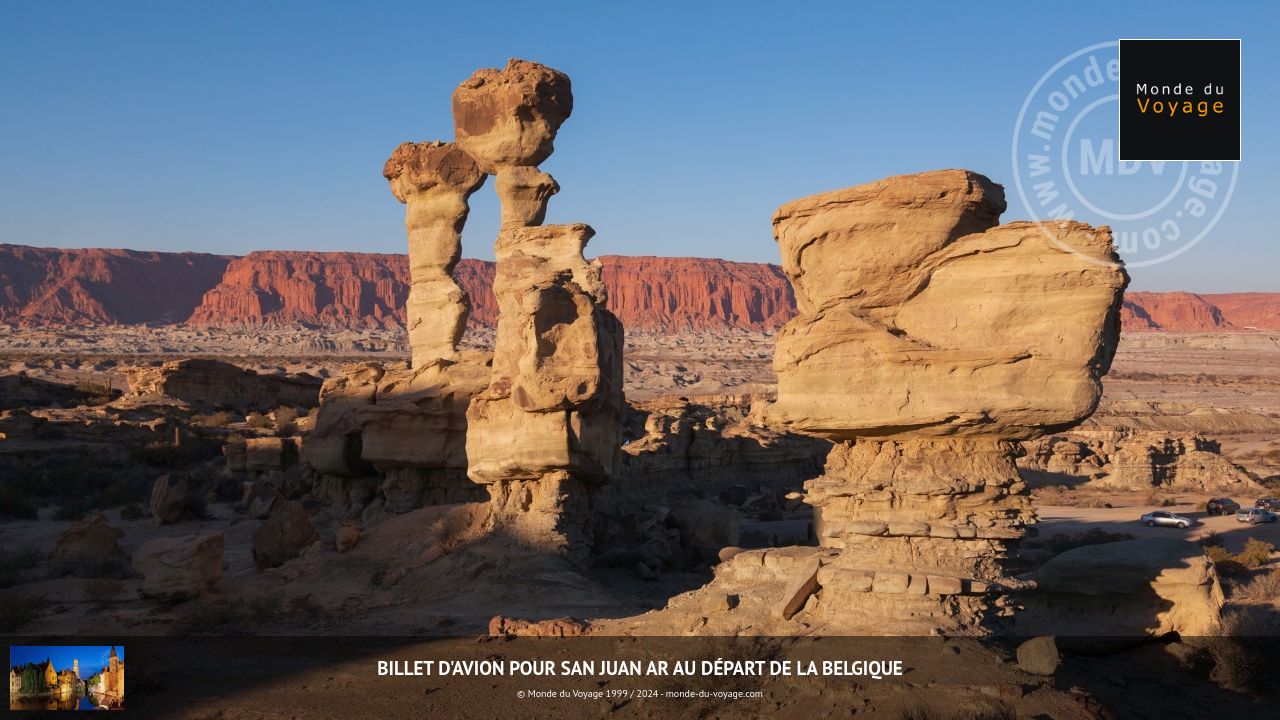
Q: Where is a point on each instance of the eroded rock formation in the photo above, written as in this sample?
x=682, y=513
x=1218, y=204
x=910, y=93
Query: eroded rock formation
x=1134, y=460
x=929, y=339
x=550, y=420
x=214, y=383
x=434, y=180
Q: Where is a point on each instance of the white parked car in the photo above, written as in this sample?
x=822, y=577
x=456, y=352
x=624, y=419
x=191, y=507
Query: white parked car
x=1255, y=515
x=1168, y=519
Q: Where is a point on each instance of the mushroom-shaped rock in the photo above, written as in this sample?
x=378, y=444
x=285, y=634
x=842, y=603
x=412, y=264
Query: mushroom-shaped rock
x=434, y=180
x=509, y=117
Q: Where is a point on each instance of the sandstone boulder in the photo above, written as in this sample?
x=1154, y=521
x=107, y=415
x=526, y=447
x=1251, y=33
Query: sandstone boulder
x=509, y=116
x=1125, y=589
x=86, y=548
x=1039, y=655
x=169, y=498
x=346, y=537
x=179, y=568
x=262, y=500
x=283, y=536
x=945, y=324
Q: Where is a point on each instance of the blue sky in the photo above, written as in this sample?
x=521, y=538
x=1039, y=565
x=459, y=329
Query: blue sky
x=234, y=126
x=92, y=657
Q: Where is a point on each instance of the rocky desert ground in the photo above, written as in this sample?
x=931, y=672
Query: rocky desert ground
x=1219, y=386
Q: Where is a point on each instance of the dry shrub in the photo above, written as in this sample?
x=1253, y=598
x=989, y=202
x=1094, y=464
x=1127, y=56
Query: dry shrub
x=1256, y=553
x=1263, y=588
x=461, y=526
x=1245, y=651
x=1224, y=562
x=257, y=420
x=218, y=419
x=989, y=711
x=18, y=610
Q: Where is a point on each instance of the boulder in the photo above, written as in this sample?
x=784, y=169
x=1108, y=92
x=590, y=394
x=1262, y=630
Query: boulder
x=509, y=116
x=283, y=536
x=346, y=537
x=86, y=548
x=946, y=324
x=1039, y=656
x=179, y=568
x=262, y=500
x=1125, y=589
x=169, y=499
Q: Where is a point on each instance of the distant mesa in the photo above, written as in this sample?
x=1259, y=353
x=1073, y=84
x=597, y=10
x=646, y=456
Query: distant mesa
x=56, y=287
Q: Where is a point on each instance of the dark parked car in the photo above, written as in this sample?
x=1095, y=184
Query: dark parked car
x=1222, y=506
x=1268, y=503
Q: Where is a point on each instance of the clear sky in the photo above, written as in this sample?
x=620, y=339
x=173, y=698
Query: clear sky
x=234, y=126
x=92, y=657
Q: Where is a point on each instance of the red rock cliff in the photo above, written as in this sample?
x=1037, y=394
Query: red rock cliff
x=1172, y=311
x=366, y=290
x=48, y=286
x=52, y=286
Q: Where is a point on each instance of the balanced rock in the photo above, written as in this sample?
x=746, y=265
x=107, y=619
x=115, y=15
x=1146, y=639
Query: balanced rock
x=950, y=337
x=549, y=423
x=179, y=568
x=86, y=548
x=434, y=180
x=283, y=536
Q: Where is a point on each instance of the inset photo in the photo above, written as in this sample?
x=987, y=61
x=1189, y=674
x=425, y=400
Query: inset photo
x=66, y=677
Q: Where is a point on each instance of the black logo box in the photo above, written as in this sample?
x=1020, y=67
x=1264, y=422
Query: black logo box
x=1208, y=133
